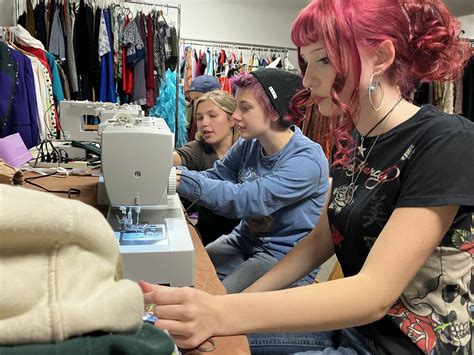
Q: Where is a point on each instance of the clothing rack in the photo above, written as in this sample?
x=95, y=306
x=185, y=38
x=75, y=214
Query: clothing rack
x=178, y=27
x=16, y=9
x=236, y=45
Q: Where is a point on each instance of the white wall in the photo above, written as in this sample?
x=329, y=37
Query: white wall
x=257, y=22
x=467, y=24
x=6, y=12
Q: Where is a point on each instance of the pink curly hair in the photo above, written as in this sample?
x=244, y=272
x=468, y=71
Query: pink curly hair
x=424, y=33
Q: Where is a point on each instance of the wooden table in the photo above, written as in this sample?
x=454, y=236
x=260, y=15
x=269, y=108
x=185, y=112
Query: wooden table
x=205, y=274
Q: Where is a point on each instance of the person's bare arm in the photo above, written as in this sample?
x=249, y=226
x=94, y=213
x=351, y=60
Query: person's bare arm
x=177, y=159
x=403, y=246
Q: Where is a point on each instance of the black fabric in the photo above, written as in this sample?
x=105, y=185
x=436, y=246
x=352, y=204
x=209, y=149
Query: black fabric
x=83, y=41
x=280, y=87
x=172, y=61
x=468, y=91
x=40, y=23
x=95, y=60
x=426, y=161
x=147, y=341
x=422, y=94
x=211, y=226
x=51, y=7
x=22, y=20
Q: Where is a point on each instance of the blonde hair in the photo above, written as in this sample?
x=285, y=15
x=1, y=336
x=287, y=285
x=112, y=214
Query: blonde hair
x=225, y=102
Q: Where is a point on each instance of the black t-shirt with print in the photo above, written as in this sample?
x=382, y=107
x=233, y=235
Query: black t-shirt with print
x=426, y=161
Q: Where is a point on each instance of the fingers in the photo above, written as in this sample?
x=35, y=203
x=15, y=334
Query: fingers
x=161, y=295
x=173, y=312
x=146, y=287
x=174, y=327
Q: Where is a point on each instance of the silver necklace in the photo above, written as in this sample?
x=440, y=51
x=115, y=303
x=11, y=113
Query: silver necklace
x=352, y=187
x=360, y=147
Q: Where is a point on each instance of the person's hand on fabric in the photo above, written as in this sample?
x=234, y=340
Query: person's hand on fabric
x=186, y=313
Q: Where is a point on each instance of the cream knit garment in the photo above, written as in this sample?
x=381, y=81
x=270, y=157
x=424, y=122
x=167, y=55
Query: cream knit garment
x=60, y=271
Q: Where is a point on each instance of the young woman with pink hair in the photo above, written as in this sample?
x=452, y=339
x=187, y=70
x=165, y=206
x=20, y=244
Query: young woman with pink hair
x=400, y=213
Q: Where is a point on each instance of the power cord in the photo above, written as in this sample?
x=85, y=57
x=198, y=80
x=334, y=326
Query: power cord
x=194, y=226
x=199, y=195
x=69, y=192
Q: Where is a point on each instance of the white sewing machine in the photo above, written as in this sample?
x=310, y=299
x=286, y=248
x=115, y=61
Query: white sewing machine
x=139, y=182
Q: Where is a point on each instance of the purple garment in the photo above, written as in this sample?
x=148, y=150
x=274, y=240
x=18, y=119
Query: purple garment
x=107, y=81
x=23, y=117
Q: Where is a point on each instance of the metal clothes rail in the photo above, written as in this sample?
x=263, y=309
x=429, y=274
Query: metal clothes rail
x=16, y=14
x=238, y=45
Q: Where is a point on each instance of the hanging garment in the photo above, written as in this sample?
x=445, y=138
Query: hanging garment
x=83, y=39
x=225, y=84
x=70, y=56
x=65, y=83
x=39, y=91
x=188, y=69
x=24, y=38
x=115, y=20
x=107, y=82
x=21, y=111
x=56, y=38
x=46, y=108
x=127, y=73
x=172, y=61
x=150, y=68
x=210, y=63
x=40, y=22
x=166, y=107
x=57, y=87
x=30, y=18
x=139, y=83
x=96, y=60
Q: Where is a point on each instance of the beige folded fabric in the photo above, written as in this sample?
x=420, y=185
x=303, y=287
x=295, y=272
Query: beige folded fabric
x=60, y=271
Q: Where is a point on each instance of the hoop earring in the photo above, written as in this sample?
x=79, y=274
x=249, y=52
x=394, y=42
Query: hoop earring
x=376, y=80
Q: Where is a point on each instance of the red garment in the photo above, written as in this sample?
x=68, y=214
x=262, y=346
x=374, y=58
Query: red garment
x=225, y=84
x=222, y=57
x=38, y=53
x=198, y=65
x=127, y=72
x=150, y=68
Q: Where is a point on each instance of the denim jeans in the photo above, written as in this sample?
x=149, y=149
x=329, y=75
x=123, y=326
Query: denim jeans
x=339, y=342
x=239, y=263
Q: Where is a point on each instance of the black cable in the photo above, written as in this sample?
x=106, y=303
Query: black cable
x=69, y=192
x=194, y=226
x=199, y=195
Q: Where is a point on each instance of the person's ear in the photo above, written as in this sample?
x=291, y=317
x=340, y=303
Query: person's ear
x=275, y=117
x=384, y=56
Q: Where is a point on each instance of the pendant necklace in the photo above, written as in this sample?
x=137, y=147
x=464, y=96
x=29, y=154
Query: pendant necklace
x=352, y=187
x=360, y=147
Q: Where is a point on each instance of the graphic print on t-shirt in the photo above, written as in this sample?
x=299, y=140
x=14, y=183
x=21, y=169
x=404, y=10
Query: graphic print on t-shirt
x=425, y=162
x=260, y=226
